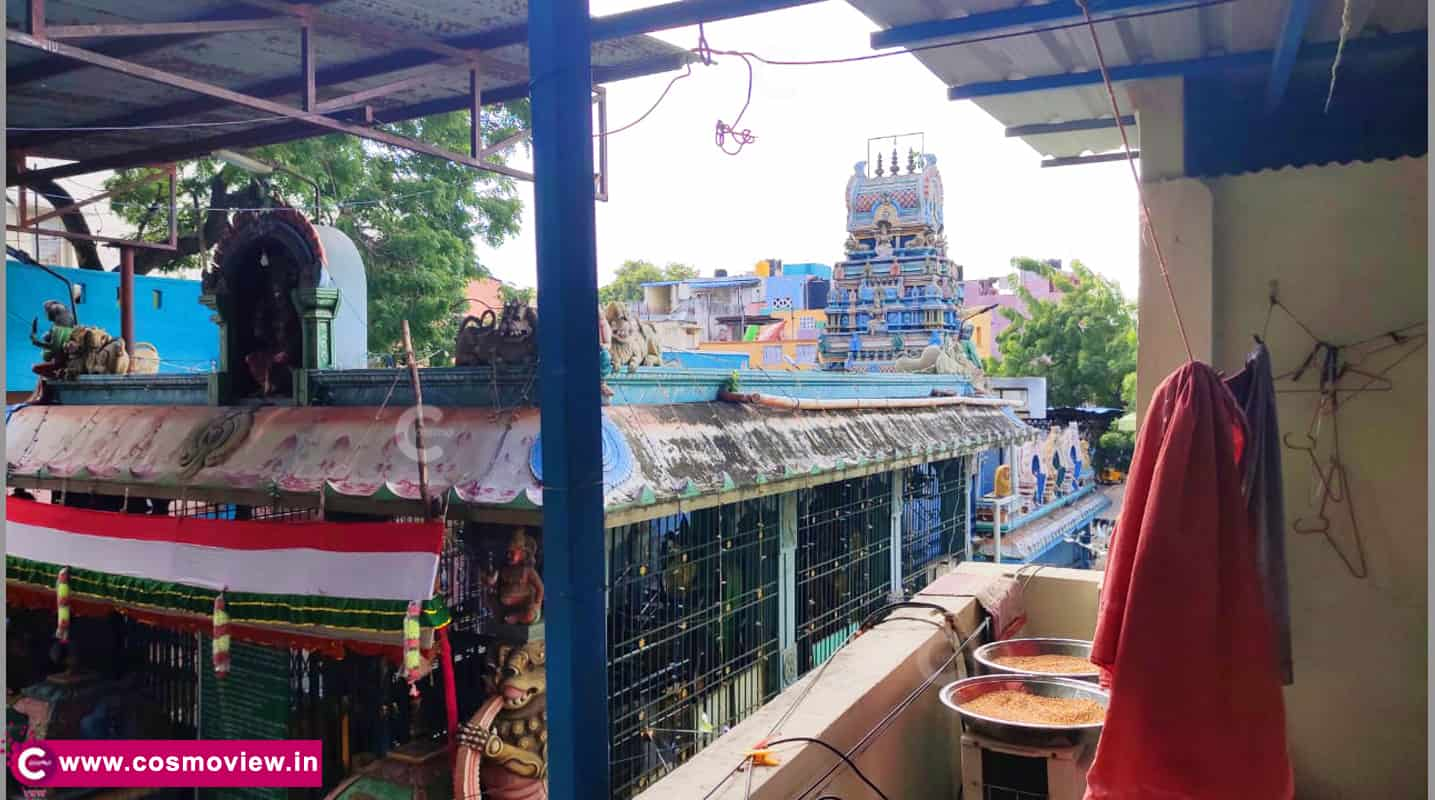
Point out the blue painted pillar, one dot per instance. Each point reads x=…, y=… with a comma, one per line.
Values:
x=573, y=561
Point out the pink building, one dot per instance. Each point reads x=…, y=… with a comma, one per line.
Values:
x=1001, y=292
x=483, y=294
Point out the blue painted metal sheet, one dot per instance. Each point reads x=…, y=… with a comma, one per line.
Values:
x=167, y=315
x=1184, y=67
x=1378, y=111
x=1008, y=18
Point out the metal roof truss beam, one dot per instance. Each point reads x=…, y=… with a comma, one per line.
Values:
x=1287, y=47
x=310, y=20
x=1098, y=158
x=227, y=96
x=1073, y=126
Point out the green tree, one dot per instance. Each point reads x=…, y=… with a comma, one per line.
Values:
x=522, y=294
x=627, y=283
x=1084, y=343
x=413, y=217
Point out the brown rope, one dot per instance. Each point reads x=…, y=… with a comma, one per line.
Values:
x=1149, y=226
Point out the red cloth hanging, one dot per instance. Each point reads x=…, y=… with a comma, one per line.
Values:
x=1182, y=635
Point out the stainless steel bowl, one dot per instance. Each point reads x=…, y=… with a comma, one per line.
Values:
x=987, y=654
x=955, y=695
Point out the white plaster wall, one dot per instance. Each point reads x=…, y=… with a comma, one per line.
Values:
x=1347, y=245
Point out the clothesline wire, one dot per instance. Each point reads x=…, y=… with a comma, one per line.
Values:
x=1395, y=334
x=1148, y=224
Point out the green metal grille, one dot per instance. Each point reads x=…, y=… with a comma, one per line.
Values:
x=692, y=633
x=251, y=703
x=934, y=518
x=844, y=562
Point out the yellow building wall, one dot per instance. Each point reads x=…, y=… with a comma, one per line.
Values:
x=982, y=333
x=1347, y=246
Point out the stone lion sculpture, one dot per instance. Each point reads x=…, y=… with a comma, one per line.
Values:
x=633, y=343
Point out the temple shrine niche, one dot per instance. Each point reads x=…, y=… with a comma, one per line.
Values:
x=896, y=301
x=274, y=302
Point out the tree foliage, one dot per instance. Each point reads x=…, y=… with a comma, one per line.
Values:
x=1084, y=343
x=523, y=294
x=413, y=217
x=627, y=284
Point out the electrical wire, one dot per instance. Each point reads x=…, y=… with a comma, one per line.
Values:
x=883, y=724
x=850, y=763
x=687, y=72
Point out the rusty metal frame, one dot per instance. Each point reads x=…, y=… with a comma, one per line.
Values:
x=168, y=28
x=30, y=225
x=312, y=111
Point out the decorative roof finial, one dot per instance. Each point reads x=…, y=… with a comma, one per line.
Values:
x=895, y=162
x=879, y=165
x=911, y=160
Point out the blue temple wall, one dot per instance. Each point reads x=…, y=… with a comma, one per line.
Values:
x=168, y=315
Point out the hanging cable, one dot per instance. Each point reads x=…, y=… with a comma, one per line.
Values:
x=1147, y=223
x=687, y=72
x=850, y=763
x=743, y=137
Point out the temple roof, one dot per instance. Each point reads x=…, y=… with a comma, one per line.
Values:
x=654, y=455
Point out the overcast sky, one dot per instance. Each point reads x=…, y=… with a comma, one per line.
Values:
x=676, y=197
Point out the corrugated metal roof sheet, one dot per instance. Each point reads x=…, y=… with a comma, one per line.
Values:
x=1228, y=28
x=477, y=456
x=244, y=61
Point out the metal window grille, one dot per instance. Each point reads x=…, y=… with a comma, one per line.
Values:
x=844, y=568
x=692, y=634
x=167, y=665
x=934, y=511
x=460, y=573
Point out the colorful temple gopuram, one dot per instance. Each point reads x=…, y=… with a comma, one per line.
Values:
x=253, y=553
x=896, y=301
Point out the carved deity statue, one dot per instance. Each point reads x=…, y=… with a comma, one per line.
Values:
x=515, y=590
x=52, y=344
x=275, y=328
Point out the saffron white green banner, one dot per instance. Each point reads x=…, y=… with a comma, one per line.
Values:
x=346, y=575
